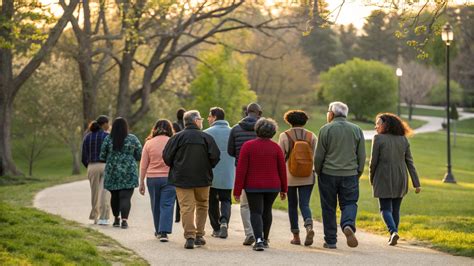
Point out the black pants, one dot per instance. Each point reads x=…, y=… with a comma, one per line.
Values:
x=216, y=216
x=121, y=202
x=178, y=211
x=332, y=189
x=260, y=204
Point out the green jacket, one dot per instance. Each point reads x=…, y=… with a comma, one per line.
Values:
x=340, y=150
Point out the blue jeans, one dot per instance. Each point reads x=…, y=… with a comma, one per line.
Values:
x=162, y=197
x=390, y=210
x=346, y=190
x=301, y=195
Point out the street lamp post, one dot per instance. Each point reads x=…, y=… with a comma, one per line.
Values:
x=399, y=73
x=447, y=37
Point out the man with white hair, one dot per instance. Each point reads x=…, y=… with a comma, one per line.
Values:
x=339, y=162
x=191, y=155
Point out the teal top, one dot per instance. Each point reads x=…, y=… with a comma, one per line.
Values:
x=121, y=169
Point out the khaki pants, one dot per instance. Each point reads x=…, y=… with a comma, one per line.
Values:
x=193, y=200
x=100, y=198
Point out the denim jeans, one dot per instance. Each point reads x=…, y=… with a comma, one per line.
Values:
x=346, y=190
x=162, y=197
x=299, y=195
x=390, y=210
x=218, y=216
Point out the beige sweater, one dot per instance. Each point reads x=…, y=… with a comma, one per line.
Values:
x=296, y=181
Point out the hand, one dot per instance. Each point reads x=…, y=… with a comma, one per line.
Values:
x=237, y=198
x=282, y=195
x=141, y=189
x=417, y=190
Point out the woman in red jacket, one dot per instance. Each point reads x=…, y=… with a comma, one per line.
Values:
x=261, y=171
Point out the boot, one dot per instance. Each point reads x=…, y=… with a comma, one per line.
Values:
x=296, y=239
x=309, y=232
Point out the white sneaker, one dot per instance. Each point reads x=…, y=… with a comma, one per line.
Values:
x=103, y=222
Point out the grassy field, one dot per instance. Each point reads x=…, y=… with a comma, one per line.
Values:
x=465, y=126
x=425, y=112
x=29, y=236
x=442, y=215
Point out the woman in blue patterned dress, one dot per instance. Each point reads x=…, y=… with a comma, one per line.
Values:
x=121, y=151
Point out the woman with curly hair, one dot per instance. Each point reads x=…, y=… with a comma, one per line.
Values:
x=391, y=157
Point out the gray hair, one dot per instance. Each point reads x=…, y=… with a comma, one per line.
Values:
x=339, y=109
x=190, y=116
x=266, y=128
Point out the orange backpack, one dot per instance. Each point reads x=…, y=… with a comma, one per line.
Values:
x=300, y=155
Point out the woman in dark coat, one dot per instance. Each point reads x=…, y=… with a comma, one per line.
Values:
x=391, y=157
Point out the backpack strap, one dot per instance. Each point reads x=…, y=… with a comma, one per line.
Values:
x=291, y=142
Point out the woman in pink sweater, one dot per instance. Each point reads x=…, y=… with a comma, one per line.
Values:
x=154, y=169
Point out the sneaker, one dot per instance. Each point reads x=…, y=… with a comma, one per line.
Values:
x=103, y=222
x=189, y=243
x=351, y=238
x=309, y=237
x=200, y=241
x=223, y=231
x=329, y=246
x=116, y=222
x=265, y=243
x=124, y=224
x=393, y=239
x=216, y=233
x=249, y=240
x=258, y=246
x=163, y=237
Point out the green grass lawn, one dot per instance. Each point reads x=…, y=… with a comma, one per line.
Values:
x=425, y=112
x=465, y=126
x=30, y=236
x=442, y=215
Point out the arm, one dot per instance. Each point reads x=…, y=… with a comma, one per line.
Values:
x=169, y=151
x=213, y=151
x=241, y=171
x=361, y=153
x=84, y=153
x=282, y=171
x=374, y=159
x=411, y=167
x=104, y=150
x=320, y=153
x=137, y=153
x=144, y=163
x=283, y=143
x=231, y=144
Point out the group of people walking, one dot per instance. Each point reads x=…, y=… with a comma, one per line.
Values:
x=202, y=169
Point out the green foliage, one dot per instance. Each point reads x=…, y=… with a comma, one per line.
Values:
x=437, y=96
x=367, y=87
x=221, y=81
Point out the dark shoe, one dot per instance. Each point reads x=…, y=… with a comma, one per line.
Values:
x=394, y=239
x=163, y=237
x=258, y=246
x=189, y=243
x=116, y=222
x=351, y=238
x=216, y=233
x=329, y=246
x=223, y=231
x=200, y=241
x=309, y=237
x=265, y=243
x=177, y=220
x=124, y=224
x=296, y=239
x=249, y=240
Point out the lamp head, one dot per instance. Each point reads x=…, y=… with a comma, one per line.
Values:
x=447, y=34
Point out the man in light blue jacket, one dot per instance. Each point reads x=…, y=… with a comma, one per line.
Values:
x=223, y=181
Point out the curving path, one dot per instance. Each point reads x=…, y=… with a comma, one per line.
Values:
x=71, y=201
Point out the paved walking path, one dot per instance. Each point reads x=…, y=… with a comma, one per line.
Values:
x=71, y=201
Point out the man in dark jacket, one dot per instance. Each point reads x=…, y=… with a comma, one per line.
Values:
x=191, y=155
x=178, y=126
x=240, y=133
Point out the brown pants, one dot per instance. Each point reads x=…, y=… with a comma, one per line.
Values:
x=193, y=200
x=100, y=198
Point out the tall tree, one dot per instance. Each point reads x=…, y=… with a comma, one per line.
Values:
x=348, y=38
x=20, y=34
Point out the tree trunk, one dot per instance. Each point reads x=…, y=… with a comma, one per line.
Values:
x=89, y=91
x=76, y=161
x=6, y=113
x=124, y=107
x=410, y=111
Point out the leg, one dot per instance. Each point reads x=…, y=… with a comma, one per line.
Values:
x=293, y=209
x=245, y=214
x=187, y=207
x=153, y=185
x=214, y=209
x=104, y=196
x=304, y=196
x=93, y=173
x=267, y=217
x=255, y=202
x=348, y=196
x=167, y=199
x=328, y=195
x=201, y=194
x=115, y=202
x=125, y=202
x=396, y=203
x=226, y=202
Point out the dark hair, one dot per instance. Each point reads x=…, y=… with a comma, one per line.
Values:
x=296, y=118
x=119, y=133
x=254, y=108
x=102, y=119
x=161, y=127
x=266, y=128
x=393, y=125
x=96, y=125
x=180, y=113
x=217, y=112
